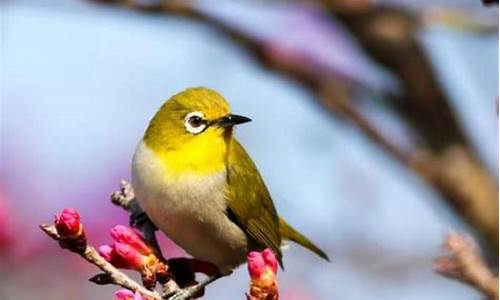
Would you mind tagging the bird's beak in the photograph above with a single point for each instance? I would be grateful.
(231, 120)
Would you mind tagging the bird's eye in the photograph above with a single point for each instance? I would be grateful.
(194, 122)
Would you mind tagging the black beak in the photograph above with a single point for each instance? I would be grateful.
(231, 120)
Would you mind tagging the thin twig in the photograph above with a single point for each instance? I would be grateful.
(125, 198)
(116, 276)
(465, 264)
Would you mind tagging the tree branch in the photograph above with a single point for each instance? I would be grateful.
(70, 234)
(390, 36)
(131, 251)
(465, 264)
(125, 198)
(115, 276)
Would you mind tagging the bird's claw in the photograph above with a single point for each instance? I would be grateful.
(138, 218)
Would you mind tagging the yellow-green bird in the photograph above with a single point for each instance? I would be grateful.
(199, 186)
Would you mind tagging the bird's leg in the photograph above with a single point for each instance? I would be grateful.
(139, 219)
(194, 290)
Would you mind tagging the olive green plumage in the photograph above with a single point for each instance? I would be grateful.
(201, 188)
(251, 205)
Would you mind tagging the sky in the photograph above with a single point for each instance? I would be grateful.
(80, 82)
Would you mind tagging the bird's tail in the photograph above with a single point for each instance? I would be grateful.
(289, 233)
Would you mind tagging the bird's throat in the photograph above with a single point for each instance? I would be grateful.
(204, 155)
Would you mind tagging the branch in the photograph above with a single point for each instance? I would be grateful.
(390, 35)
(125, 198)
(465, 264)
(132, 251)
(425, 105)
(114, 275)
(129, 251)
(490, 2)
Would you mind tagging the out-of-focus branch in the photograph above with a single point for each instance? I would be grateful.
(489, 2)
(464, 263)
(445, 159)
(390, 36)
(113, 275)
(462, 20)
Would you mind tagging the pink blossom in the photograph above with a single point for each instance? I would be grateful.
(262, 267)
(270, 260)
(129, 254)
(129, 251)
(6, 235)
(126, 235)
(106, 251)
(127, 295)
(262, 264)
(256, 264)
(123, 256)
(68, 223)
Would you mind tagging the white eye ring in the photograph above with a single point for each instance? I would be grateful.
(194, 122)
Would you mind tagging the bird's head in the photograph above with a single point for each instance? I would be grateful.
(193, 122)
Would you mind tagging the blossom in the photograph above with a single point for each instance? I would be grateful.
(68, 224)
(129, 251)
(70, 230)
(270, 260)
(262, 267)
(6, 233)
(128, 236)
(127, 295)
(125, 256)
(122, 256)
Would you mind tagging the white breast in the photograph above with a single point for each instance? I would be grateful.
(190, 210)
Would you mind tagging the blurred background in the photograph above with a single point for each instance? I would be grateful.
(375, 126)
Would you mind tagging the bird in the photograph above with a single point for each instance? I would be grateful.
(198, 185)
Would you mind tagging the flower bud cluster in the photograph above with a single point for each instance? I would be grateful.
(262, 267)
(130, 251)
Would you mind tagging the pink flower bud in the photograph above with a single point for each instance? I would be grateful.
(130, 251)
(123, 256)
(270, 260)
(127, 295)
(256, 264)
(68, 223)
(261, 263)
(132, 258)
(129, 236)
(262, 267)
(106, 251)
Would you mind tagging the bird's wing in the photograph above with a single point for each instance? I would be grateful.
(249, 203)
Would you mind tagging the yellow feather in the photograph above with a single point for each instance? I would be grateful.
(182, 152)
(203, 155)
